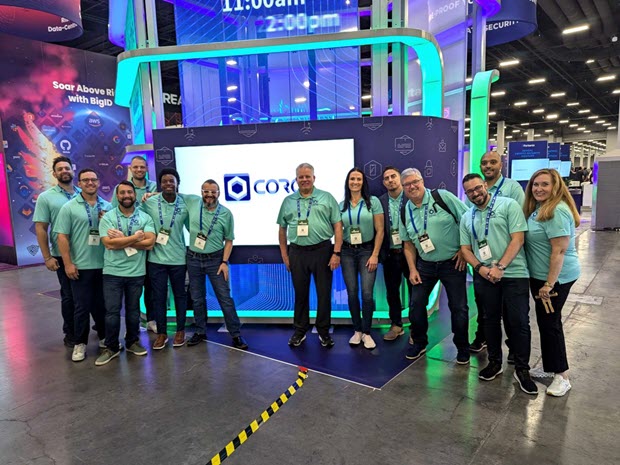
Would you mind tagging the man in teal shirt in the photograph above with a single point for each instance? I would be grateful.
(127, 233)
(431, 241)
(80, 246)
(492, 234)
(46, 210)
(309, 218)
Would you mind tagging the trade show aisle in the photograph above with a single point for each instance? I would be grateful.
(184, 405)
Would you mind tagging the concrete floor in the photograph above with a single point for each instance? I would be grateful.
(182, 406)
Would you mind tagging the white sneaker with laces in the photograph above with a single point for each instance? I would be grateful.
(151, 326)
(356, 339)
(559, 386)
(369, 342)
(539, 372)
(79, 352)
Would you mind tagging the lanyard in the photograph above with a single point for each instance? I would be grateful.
(487, 221)
(133, 220)
(217, 213)
(425, 218)
(177, 209)
(400, 205)
(500, 186)
(359, 212)
(67, 194)
(299, 209)
(90, 217)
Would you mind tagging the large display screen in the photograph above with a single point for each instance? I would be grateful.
(555, 165)
(522, 170)
(565, 169)
(255, 178)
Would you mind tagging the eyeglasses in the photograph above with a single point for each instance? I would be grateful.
(476, 189)
(407, 185)
(89, 180)
(210, 192)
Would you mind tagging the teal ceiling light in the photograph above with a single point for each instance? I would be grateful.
(479, 109)
(424, 44)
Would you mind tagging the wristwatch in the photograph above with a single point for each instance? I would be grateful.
(337, 254)
(225, 262)
(477, 267)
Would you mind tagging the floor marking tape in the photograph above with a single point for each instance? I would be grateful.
(243, 436)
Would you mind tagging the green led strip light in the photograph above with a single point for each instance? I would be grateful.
(424, 44)
(479, 123)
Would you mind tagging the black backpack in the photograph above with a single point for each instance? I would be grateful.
(438, 201)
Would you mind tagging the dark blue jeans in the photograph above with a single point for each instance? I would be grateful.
(511, 295)
(200, 265)
(114, 288)
(88, 299)
(353, 262)
(394, 270)
(159, 275)
(454, 283)
(67, 306)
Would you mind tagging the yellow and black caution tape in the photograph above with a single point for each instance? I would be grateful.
(253, 427)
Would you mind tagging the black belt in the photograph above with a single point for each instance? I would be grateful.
(208, 256)
(396, 251)
(363, 245)
(309, 248)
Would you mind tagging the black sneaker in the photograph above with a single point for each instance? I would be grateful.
(197, 339)
(240, 343)
(490, 371)
(296, 339)
(462, 356)
(477, 346)
(326, 341)
(511, 357)
(525, 382)
(415, 352)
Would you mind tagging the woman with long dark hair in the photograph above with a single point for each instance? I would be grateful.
(362, 219)
(553, 265)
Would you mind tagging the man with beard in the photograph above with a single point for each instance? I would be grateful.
(46, 210)
(492, 235)
(77, 227)
(127, 233)
(211, 235)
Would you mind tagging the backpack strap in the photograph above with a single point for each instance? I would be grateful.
(440, 201)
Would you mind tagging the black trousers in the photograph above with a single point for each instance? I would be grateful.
(88, 298)
(480, 336)
(67, 306)
(394, 269)
(552, 344)
(306, 262)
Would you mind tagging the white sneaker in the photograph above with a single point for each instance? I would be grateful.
(538, 372)
(79, 352)
(559, 387)
(356, 339)
(151, 326)
(369, 342)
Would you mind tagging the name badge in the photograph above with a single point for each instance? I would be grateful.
(302, 228)
(396, 240)
(93, 237)
(201, 241)
(356, 236)
(426, 243)
(163, 236)
(130, 251)
(485, 250)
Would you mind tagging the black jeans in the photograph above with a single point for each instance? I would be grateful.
(552, 344)
(67, 306)
(455, 285)
(306, 262)
(511, 295)
(158, 275)
(88, 298)
(480, 336)
(394, 269)
(114, 289)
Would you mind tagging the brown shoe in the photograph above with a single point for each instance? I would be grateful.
(179, 339)
(393, 333)
(160, 342)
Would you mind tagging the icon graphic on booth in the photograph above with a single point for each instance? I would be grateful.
(237, 187)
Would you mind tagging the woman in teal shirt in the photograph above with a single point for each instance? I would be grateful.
(362, 219)
(553, 265)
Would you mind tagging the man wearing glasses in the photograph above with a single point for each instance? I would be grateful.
(211, 235)
(81, 249)
(432, 249)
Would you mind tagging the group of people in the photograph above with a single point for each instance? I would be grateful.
(515, 242)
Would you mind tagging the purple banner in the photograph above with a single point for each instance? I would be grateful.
(515, 20)
(46, 20)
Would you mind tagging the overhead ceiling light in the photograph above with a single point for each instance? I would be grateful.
(611, 127)
(492, 113)
(351, 107)
(572, 104)
(521, 103)
(537, 135)
(593, 117)
(548, 130)
(587, 132)
(558, 94)
(552, 116)
(231, 88)
(607, 124)
(468, 80)
(537, 81)
(516, 130)
(524, 124)
(574, 125)
(366, 97)
(232, 99)
(466, 129)
(608, 77)
(582, 128)
(575, 29)
(538, 110)
(584, 111)
(589, 61)
(508, 137)
(467, 119)
(563, 121)
(498, 93)
(503, 64)
(300, 99)
(307, 84)
(616, 91)
(231, 62)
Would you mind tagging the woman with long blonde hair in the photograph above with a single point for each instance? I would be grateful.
(553, 264)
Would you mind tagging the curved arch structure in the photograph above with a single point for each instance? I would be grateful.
(479, 108)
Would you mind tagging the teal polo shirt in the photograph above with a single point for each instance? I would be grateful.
(150, 186)
(74, 221)
(47, 208)
(441, 227)
(116, 262)
(506, 218)
(394, 206)
(538, 247)
(362, 218)
(218, 225)
(324, 214)
(510, 188)
(173, 253)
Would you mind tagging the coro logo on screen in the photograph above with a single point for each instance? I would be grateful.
(238, 187)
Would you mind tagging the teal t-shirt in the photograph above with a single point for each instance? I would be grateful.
(218, 225)
(116, 262)
(505, 219)
(75, 219)
(510, 188)
(175, 214)
(361, 218)
(321, 211)
(150, 186)
(441, 228)
(47, 208)
(538, 247)
(394, 220)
